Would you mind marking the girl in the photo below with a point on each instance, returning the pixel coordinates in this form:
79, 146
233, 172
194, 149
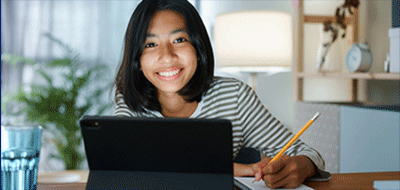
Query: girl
167, 71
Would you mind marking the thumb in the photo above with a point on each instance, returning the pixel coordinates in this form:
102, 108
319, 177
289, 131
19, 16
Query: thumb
258, 176
257, 172
257, 168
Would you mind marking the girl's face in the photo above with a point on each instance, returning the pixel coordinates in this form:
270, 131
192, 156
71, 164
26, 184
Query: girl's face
168, 60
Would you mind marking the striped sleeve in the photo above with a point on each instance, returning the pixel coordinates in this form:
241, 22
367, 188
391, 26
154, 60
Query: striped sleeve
264, 132
120, 108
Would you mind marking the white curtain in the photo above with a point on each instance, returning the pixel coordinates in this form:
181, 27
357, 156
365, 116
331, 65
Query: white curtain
95, 29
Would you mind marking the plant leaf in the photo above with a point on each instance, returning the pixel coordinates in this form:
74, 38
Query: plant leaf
55, 156
13, 59
46, 77
103, 108
66, 62
59, 42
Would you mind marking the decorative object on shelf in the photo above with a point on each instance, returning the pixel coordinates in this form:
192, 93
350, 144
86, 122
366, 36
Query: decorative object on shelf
331, 30
254, 42
332, 87
386, 64
325, 61
359, 58
70, 89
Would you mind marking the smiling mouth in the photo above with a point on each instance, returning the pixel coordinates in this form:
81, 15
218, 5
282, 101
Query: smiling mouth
169, 73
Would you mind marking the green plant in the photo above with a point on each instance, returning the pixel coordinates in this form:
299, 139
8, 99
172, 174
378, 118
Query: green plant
58, 106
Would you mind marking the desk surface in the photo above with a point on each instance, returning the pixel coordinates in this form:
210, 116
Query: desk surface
338, 181
354, 180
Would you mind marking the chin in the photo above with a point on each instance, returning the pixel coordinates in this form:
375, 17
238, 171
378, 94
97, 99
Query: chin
170, 90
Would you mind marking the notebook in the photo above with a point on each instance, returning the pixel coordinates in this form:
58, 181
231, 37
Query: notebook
247, 183
150, 153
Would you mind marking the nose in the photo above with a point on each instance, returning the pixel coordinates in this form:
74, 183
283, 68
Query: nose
167, 54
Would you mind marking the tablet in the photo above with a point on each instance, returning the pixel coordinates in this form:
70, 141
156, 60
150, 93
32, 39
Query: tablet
147, 150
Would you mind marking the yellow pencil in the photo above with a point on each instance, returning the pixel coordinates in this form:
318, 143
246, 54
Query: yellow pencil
294, 138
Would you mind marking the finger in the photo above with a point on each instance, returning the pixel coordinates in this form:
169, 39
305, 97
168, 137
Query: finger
257, 171
286, 177
258, 176
264, 162
289, 182
276, 179
277, 176
276, 185
276, 165
257, 168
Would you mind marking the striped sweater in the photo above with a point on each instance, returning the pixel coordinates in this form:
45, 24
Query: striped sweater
252, 125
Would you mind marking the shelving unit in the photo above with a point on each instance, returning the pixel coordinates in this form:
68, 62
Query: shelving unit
337, 75
298, 58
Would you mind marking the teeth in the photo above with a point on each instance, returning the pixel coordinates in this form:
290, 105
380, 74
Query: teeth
168, 74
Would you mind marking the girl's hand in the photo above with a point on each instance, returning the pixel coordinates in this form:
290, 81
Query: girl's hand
241, 170
287, 172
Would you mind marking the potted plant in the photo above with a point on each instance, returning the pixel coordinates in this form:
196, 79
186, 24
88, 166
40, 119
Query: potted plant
68, 90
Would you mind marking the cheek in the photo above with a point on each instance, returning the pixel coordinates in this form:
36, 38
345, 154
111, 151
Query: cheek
145, 60
145, 65
192, 56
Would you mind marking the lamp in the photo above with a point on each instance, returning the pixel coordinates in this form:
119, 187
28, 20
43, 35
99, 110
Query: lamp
254, 41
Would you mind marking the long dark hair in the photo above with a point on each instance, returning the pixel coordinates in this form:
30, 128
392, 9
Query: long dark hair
140, 94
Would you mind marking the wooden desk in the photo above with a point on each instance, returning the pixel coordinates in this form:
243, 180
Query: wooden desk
354, 180
363, 181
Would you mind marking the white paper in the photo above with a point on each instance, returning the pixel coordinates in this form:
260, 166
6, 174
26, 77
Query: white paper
261, 185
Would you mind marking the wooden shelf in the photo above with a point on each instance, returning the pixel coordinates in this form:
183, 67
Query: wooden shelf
299, 73
321, 19
337, 75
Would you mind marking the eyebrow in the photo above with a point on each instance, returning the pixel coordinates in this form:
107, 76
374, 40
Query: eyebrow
149, 35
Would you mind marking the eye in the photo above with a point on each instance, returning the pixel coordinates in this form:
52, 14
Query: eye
149, 45
180, 40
